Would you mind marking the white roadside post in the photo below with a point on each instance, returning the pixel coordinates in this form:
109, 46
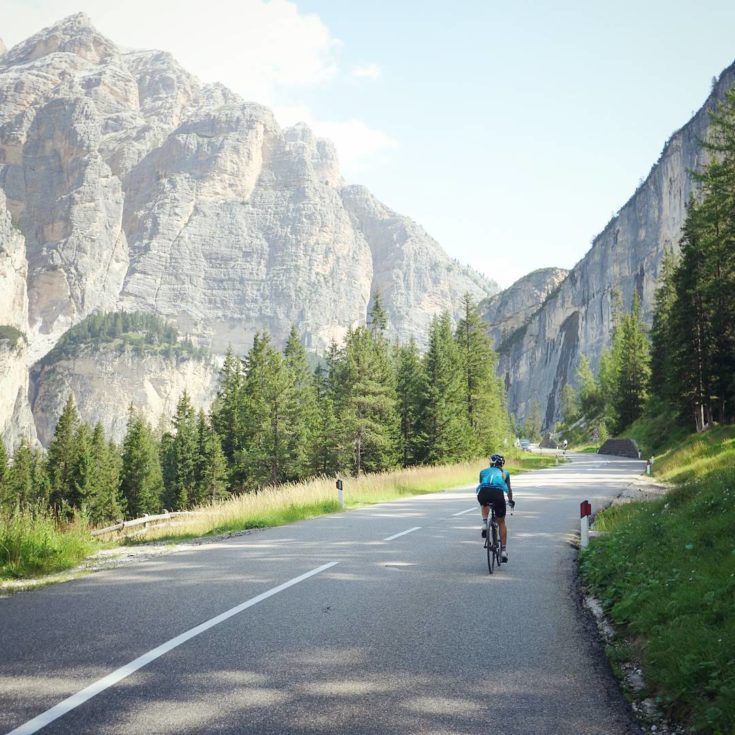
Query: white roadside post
585, 511
340, 494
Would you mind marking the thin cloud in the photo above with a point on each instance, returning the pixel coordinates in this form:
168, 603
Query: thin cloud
357, 144
367, 71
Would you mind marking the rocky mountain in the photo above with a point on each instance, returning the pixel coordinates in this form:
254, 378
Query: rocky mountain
127, 184
511, 309
625, 258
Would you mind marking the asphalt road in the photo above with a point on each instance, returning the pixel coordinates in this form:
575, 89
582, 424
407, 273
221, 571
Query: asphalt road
405, 632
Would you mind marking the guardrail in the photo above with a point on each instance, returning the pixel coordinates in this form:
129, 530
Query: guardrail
144, 521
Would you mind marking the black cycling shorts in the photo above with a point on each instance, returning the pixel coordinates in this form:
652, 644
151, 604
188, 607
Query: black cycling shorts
493, 496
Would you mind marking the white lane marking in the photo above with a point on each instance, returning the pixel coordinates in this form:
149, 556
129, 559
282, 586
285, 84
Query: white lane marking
462, 512
402, 533
79, 698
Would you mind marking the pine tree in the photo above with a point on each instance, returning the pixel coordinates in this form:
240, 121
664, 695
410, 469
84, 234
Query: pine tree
483, 392
61, 458
570, 404
212, 465
368, 417
633, 371
228, 409
20, 491
691, 329
26, 482
83, 476
444, 418
325, 447
167, 458
377, 317
141, 482
268, 393
105, 503
301, 411
185, 453
589, 393
410, 388
663, 392
714, 221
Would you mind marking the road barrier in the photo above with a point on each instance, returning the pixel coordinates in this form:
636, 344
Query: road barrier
161, 520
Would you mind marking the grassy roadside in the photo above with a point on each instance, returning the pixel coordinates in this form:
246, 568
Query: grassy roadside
33, 544
665, 573
297, 501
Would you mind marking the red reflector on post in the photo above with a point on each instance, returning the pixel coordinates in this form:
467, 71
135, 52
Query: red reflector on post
585, 508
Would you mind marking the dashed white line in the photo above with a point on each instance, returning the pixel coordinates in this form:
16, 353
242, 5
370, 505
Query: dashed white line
402, 533
93, 690
462, 512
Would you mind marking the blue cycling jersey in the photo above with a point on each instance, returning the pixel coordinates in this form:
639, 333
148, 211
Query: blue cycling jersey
493, 477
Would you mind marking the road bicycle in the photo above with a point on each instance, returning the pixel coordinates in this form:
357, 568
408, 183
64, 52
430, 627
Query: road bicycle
492, 542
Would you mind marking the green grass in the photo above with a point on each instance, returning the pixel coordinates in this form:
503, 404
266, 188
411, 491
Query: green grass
665, 572
655, 433
32, 543
585, 448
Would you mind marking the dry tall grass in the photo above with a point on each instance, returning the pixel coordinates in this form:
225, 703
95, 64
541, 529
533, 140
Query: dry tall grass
295, 501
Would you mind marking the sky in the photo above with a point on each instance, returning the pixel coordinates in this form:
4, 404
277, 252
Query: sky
511, 131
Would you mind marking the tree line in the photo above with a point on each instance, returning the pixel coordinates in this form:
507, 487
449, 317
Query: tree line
140, 331
693, 332
368, 406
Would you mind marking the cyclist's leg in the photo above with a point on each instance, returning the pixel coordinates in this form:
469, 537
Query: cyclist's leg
482, 499
503, 531
500, 510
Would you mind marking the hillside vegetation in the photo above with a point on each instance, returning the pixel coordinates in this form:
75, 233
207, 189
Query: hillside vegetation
143, 333
665, 572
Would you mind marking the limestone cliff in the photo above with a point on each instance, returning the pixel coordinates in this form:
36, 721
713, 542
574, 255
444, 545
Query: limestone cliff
105, 380
626, 257
512, 308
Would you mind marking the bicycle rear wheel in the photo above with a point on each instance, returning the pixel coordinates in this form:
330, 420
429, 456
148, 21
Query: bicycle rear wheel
490, 553
496, 544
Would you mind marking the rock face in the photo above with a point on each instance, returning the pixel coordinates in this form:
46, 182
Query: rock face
626, 257
410, 269
511, 309
105, 381
136, 187
16, 420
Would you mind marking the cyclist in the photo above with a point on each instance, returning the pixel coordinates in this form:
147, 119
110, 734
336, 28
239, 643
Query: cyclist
494, 484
